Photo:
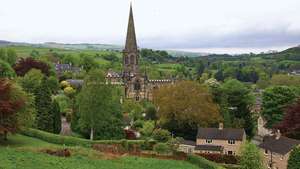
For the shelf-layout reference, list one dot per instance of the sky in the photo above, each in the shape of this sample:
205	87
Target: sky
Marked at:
215	26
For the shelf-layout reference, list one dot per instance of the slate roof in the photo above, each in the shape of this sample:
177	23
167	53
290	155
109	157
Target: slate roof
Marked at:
75	83
221	134
209	148
283	145
188	142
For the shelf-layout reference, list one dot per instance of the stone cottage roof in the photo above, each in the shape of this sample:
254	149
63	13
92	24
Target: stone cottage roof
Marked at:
282	145
220	134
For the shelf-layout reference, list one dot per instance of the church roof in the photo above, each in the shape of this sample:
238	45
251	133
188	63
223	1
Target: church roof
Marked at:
131	44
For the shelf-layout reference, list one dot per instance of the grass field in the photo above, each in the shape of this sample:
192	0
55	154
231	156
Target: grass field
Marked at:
22	152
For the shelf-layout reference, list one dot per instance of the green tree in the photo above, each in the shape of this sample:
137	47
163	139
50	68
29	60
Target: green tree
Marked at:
275	99
88	62
251	157
182	115
134	109
53	84
11	56
294	159
55	111
6	70
32	80
99	107
236	99
43	102
148	128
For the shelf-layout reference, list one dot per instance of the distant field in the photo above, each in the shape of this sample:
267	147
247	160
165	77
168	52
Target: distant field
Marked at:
19	153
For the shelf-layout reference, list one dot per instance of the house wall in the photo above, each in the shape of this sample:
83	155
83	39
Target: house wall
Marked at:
186	148
227	147
279	161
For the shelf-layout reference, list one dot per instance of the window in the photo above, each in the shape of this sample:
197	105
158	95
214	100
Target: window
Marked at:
137	98
231	141
230	153
137	85
266	151
209	141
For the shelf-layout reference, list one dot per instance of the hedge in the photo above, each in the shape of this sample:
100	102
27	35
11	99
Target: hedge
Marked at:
220	158
202	162
74	141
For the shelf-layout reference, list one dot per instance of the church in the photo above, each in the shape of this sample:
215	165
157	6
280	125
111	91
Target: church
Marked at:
136	84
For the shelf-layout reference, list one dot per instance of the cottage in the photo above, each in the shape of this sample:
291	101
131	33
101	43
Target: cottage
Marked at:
216	140
276	150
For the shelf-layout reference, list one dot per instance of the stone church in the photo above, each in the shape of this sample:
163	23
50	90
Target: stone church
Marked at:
136	84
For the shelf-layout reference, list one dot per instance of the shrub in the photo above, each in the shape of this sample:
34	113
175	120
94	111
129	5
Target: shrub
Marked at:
202	162
162	148
161	135
294	159
59	153
220	158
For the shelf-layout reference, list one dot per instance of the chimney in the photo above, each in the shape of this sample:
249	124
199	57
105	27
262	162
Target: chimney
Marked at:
277	135
221	126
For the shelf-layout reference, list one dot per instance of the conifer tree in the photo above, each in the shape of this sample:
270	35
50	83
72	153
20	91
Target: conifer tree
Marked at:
56	117
43	102
294	159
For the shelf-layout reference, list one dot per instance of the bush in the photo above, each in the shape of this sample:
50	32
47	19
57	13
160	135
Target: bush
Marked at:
220	158
294	159
202	162
74	141
162	148
161	135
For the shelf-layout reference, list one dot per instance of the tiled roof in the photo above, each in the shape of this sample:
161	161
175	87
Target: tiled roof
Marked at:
283	145
221	134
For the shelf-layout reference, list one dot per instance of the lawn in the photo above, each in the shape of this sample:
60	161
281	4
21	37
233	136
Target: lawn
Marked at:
22	152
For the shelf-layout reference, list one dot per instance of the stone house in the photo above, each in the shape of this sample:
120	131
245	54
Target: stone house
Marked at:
216	140
276	150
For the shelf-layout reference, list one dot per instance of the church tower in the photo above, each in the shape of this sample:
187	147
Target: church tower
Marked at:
135	84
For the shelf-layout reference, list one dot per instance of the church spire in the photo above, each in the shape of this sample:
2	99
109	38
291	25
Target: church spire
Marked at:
131	44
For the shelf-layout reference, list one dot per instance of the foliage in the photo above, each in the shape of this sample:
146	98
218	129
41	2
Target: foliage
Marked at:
8	55
148	128
220	158
275	99
64	84
162	148
64	102
6	70
25	65
88	62
285	80
69	91
9	106
202	162
134	109
251	157
236	99
294	159
289	126
179	113
161	135
31	81
99	108
53	84
43	102
55	110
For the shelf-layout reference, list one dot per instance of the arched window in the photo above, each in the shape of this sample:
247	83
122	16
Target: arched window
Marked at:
126	60
137	85
132	59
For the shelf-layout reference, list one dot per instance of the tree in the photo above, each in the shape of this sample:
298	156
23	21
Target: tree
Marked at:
182	115
289	126
99	108
55	110
6	70
88	63
31	80
235	101
200	68
25	65
275	99
148	128
11	56
9	107
251	157
43	102
294	159
53	84
134	109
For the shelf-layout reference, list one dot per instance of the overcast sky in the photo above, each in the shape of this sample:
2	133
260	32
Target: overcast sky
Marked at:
221	26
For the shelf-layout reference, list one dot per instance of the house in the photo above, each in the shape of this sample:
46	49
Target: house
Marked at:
216	140
276	150
61	68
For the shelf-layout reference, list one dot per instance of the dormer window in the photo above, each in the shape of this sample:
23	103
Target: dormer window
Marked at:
208	141
231	141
